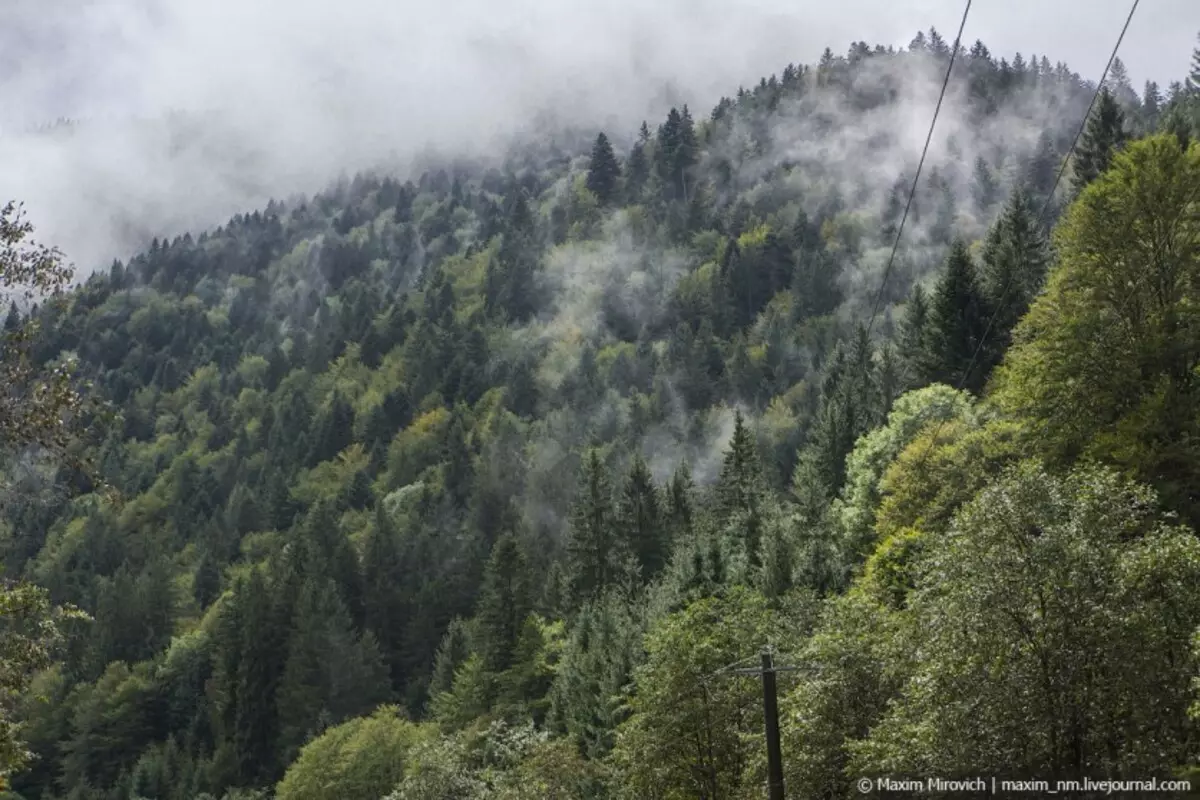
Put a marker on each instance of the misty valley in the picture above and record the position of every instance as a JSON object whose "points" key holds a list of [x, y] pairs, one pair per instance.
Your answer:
{"points": [[847, 430]]}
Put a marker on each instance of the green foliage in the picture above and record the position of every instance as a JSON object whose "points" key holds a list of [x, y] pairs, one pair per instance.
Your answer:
{"points": [[1102, 365], [1047, 641], [854, 511], [410, 442], [362, 759], [1104, 135], [690, 732]]}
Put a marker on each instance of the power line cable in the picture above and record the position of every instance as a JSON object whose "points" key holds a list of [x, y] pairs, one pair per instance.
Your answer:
{"points": [[920, 164], [1041, 221]]}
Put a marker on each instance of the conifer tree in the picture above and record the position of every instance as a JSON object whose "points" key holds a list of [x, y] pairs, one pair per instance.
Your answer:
{"points": [[680, 505], [739, 485], [386, 606], [638, 167], [604, 173], [1104, 135], [640, 520], [510, 280], [958, 316], [1014, 261], [259, 665], [1042, 168], [504, 603], [592, 549], [983, 187], [451, 654], [331, 673]]}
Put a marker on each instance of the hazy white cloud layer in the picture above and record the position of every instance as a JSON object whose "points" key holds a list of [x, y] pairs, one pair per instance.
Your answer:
{"points": [[291, 93]]}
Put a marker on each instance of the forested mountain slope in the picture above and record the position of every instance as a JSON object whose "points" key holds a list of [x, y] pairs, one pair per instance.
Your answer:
{"points": [[463, 485]]}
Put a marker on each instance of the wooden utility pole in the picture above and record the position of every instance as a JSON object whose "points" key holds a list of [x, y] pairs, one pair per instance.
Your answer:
{"points": [[770, 714], [771, 719]]}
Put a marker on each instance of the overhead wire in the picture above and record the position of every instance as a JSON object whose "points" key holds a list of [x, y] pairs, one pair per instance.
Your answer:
{"points": [[920, 164], [1041, 221]]}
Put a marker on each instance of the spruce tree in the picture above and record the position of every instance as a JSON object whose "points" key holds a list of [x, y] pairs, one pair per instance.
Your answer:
{"points": [[592, 548], [1104, 135], [386, 606], [958, 315], [640, 519], [604, 173], [1014, 261], [984, 188], [259, 665], [510, 288], [637, 167], [451, 653], [504, 603], [331, 673], [740, 483]]}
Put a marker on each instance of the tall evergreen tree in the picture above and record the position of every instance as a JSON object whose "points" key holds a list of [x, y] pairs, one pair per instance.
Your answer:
{"points": [[1014, 261], [505, 600], [1104, 135], [984, 188], [259, 665], [592, 548], [637, 170], [958, 316], [510, 287], [681, 505], [640, 520], [331, 673], [386, 603], [604, 173], [740, 481]]}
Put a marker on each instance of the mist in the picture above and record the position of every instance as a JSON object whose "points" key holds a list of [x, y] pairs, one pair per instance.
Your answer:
{"points": [[189, 112]]}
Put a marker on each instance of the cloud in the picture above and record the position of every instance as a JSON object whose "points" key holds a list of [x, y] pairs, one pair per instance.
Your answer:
{"points": [[280, 97]]}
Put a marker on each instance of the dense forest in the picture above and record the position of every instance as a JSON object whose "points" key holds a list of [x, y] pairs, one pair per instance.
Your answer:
{"points": [[468, 484]]}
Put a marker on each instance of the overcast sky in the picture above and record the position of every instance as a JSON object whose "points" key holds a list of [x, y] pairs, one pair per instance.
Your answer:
{"points": [[92, 57], [300, 90]]}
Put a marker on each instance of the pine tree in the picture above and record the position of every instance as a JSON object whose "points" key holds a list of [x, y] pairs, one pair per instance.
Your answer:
{"points": [[451, 653], [983, 187], [510, 288], [681, 505], [637, 167], [1042, 168], [1152, 101], [1105, 134], [1014, 261], [386, 607], [592, 548], [957, 318], [259, 664], [640, 519], [1120, 87], [604, 173], [739, 485], [331, 673], [504, 603]]}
